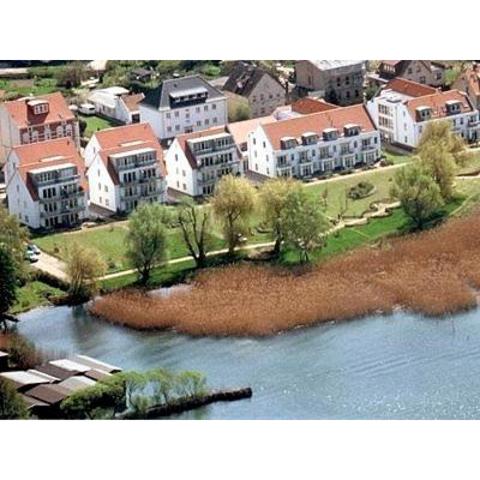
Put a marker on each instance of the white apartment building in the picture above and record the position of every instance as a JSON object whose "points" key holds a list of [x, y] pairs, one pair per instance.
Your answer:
{"points": [[117, 103], [196, 161], [46, 185], [403, 108], [36, 119], [125, 167], [314, 144], [183, 105]]}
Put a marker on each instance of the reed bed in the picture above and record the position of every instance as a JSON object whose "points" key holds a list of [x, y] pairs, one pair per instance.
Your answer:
{"points": [[435, 272]]}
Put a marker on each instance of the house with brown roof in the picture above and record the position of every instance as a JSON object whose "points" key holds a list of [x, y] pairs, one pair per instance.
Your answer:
{"points": [[402, 109], [36, 119], [426, 72], [469, 82], [196, 161], [125, 167], [262, 90], [314, 144], [46, 184]]}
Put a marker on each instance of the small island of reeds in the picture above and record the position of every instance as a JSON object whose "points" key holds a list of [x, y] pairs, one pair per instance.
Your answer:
{"points": [[436, 272]]}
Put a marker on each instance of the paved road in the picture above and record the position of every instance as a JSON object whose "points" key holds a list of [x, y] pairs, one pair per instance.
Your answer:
{"points": [[52, 265]]}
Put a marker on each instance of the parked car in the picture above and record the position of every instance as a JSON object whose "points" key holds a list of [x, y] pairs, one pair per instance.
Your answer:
{"points": [[31, 247], [87, 109], [30, 256]]}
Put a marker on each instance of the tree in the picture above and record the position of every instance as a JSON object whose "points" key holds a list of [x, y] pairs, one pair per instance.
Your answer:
{"points": [[8, 280], [304, 223], [440, 134], [13, 236], [71, 75], [440, 165], [419, 195], [11, 404], [273, 198], [84, 266], [195, 222], [147, 238], [238, 111], [233, 204]]}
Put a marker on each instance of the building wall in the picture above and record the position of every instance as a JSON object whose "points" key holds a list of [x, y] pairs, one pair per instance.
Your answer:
{"points": [[91, 150], [181, 176], [322, 156], [21, 204], [9, 134], [417, 72], [102, 190], [266, 97], [169, 123]]}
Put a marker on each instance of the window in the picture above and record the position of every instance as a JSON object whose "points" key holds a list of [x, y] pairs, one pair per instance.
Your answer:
{"points": [[169, 129], [168, 115], [214, 106], [176, 114], [184, 187], [205, 108], [199, 123], [105, 188], [177, 128], [184, 173]]}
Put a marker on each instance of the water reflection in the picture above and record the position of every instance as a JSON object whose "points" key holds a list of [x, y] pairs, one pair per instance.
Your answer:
{"points": [[400, 366]]}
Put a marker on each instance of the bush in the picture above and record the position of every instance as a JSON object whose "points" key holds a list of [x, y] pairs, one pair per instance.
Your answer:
{"points": [[49, 279], [361, 190]]}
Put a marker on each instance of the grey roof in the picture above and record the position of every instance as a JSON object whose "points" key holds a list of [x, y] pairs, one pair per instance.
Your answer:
{"points": [[244, 78], [160, 97], [332, 64]]}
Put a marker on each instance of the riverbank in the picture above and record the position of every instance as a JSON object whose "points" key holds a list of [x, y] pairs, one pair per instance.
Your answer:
{"points": [[434, 272]]}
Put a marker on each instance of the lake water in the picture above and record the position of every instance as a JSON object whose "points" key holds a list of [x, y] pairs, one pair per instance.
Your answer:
{"points": [[394, 367]]}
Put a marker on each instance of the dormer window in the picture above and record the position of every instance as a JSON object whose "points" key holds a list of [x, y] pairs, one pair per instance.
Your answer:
{"points": [[287, 142], [423, 113], [309, 138], [351, 129], [330, 134], [38, 107], [453, 107]]}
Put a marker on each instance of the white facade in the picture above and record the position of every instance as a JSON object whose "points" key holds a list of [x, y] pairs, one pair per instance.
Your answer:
{"points": [[196, 165], [168, 122], [109, 102], [311, 154], [53, 198], [399, 125]]}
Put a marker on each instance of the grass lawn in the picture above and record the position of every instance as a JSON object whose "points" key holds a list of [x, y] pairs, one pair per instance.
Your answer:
{"points": [[472, 166], [110, 242], [381, 179], [95, 123], [24, 87], [396, 158], [33, 294]]}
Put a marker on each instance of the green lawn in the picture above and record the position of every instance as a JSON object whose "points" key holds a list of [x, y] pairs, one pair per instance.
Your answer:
{"points": [[33, 294], [24, 87], [110, 242], [95, 123], [396, 158], [472, 166], [381, 179]]}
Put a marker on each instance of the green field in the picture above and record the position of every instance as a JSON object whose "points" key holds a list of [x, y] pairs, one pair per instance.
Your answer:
{"points": [[472, 166], [25, 87], [337, 189], [94, 124], [33, 294], [110, 243]]}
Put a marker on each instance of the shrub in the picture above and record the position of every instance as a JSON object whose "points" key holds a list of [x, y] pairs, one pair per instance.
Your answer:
{"points": [[361, 190]]}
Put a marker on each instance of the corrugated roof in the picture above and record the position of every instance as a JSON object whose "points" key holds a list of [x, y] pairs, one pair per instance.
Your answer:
{"points": [[73, 384], [57, 372], [96, 364], [50, 394], [70, 365]]}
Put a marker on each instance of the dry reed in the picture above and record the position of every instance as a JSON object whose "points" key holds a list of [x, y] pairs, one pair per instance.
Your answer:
{"points": [[435, 273]]}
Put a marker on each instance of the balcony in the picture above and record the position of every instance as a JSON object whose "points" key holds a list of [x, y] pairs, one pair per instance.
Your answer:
{"points": [[57, 180], [370, 147]]}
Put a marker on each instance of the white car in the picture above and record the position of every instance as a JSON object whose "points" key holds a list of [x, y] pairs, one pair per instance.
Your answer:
{"points": [[87, 109]]}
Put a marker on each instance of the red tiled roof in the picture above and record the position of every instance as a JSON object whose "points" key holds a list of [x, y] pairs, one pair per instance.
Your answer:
{"points": [[38, 155], [128, 138], [132, 101], [317, 122], [23, 116], [437, 103], [308, 105], [240, 130], [182, 140], [407, 87]]}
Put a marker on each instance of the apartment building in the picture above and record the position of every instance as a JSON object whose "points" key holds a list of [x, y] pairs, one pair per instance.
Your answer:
{"points": [[46, 184], [262, 90], [36, 119], [125, 167], [402, 109], [196, 161], [338, 81], [314, 144], [183, 105], [426, 72]]}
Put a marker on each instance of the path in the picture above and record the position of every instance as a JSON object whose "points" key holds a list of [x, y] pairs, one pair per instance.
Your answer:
{"points": [[52, 265]]}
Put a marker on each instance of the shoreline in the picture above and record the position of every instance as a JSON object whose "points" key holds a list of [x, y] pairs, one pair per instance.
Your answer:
{"points": [[435, 273]]}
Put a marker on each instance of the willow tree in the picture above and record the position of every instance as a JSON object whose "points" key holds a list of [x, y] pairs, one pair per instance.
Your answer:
{"points": [[233, 204], [274, 196], [195, 223], [12, 405], [147, 238], [84, 266], [13, 236]]}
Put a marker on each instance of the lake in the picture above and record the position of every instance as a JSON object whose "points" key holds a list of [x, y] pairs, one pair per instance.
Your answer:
{"points": [[401, 366]]}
